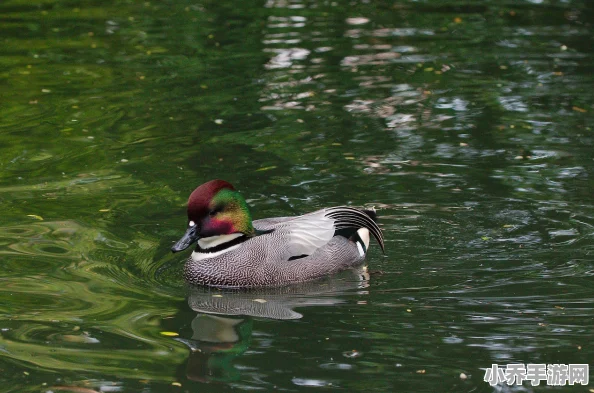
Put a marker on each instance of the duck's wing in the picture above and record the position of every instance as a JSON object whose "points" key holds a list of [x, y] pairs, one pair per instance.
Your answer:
{"points": [[265, 224], [305, 234]]}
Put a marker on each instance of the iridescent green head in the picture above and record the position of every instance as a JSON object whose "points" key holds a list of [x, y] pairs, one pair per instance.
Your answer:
{"points": [[215, 208], [228, 213], [219, 210]]}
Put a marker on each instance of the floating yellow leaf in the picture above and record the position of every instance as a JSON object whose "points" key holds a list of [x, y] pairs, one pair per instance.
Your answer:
{"points": [[176, 384], [578, 109], [169, 334], [35, 216], [266, 168], [76, 389]]}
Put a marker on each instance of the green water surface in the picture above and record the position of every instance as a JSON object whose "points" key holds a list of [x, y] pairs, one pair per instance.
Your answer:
{"points": [[467, 124]]}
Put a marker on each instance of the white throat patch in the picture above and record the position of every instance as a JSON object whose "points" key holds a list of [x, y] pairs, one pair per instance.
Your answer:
{"points": [[209, 242], [198, 256]]}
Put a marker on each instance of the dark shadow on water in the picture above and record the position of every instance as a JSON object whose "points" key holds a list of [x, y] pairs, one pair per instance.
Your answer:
{"points": [[223, 326]]}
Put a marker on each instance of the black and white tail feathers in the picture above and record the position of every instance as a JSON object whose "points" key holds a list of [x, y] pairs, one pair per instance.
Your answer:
{"points": [[348, 221]]}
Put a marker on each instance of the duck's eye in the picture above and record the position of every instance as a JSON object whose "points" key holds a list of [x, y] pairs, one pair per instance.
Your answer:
{"points": [[214, 211]]}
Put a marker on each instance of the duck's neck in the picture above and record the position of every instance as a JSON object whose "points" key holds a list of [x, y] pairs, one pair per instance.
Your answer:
{"points": [[209, 247], [211, 242]]}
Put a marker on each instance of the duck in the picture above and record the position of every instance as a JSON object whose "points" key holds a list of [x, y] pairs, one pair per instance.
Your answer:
{"points": [[234, 251]]}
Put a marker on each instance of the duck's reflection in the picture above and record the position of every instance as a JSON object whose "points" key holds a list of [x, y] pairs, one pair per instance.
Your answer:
{"points": [[222, 330], [215, 342]]}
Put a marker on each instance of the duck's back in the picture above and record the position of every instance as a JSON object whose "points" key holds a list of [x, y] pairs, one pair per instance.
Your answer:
{"points": [[288, 250]]}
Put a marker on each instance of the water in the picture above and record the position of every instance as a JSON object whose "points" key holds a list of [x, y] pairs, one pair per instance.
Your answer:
{"points": [[469, 124]]}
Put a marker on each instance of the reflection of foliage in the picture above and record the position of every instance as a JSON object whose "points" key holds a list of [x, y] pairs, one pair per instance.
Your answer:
{"points": [[48, 269], [113, 111]]}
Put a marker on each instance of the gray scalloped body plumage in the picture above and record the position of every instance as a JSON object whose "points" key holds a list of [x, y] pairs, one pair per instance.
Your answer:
{"points": [[234, 251]]}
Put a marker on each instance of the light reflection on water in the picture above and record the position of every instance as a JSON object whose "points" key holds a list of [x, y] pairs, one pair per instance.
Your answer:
{"points": [[467, 125]]}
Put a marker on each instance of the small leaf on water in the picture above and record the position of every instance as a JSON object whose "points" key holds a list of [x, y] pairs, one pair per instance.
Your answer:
{"points": [[76, 389], [266, 168], [169, 334], [35, 216], [260, 300], [485, 238], [352, 354], [176, 384]]}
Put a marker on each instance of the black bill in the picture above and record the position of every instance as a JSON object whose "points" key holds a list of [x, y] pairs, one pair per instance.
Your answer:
{"points": [[190, 237]]}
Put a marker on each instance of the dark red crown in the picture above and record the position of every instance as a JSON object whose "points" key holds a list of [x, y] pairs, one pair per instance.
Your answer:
{"points": [[200, 198]]}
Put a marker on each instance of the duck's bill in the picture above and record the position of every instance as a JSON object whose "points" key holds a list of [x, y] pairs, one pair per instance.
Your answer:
{"points": [[189, 238]]}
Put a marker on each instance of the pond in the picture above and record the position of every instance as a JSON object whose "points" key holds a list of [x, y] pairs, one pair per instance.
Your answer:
{"points": [[467, 124]]}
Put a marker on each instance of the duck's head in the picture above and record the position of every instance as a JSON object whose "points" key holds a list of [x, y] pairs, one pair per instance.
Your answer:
{"points": [[215, 209]]}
